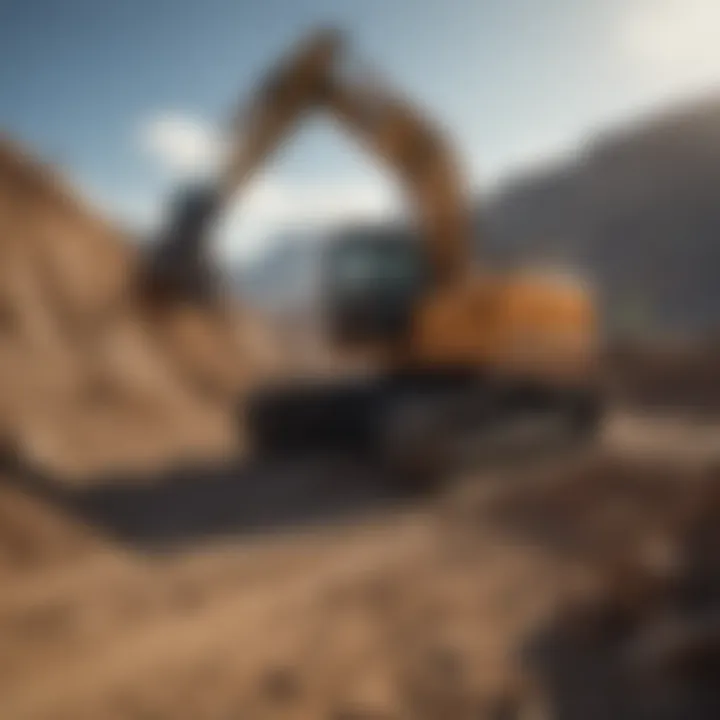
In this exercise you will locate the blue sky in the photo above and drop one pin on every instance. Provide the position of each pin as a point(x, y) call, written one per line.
point(128, 94)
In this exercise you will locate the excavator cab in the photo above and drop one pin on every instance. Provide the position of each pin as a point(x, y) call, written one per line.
point(371, 281)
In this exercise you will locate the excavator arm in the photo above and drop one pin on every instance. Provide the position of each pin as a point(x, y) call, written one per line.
point(421, 159)
point(387, 126)
point(297, 85)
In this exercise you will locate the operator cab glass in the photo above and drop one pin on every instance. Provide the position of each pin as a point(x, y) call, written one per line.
point(372, 280)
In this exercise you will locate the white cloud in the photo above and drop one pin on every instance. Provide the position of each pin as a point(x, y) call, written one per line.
point(180, 143)
point(675, 42)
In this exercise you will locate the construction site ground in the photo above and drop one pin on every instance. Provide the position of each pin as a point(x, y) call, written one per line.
point(404, 609)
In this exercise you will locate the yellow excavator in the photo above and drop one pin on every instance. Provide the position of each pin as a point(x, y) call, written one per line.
point(454, 345)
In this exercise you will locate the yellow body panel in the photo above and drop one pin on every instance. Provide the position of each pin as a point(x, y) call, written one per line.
point(523, 325)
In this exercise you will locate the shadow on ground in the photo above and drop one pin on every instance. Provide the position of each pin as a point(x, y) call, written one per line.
point(242, 496)
point(236, 497)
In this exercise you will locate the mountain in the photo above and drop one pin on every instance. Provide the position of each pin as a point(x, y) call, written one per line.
point(639, 208)
point(283, 280)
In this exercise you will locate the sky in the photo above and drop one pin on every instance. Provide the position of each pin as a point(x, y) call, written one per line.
point(129, 97)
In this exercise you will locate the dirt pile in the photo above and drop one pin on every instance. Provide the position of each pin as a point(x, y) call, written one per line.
point(90, 377)
point(643, 641)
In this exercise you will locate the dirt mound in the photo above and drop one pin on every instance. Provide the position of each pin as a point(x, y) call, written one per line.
point(91, 377)
point(644, 642)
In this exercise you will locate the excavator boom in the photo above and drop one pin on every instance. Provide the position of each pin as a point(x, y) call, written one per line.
point(421, 159)
point(296, 85)
point(309, 79)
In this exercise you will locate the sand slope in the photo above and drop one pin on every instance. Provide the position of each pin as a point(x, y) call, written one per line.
point(91, 379)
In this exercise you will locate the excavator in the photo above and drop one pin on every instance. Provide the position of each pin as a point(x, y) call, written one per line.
point(454, 347)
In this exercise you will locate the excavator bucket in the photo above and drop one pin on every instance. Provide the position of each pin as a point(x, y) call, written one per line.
point(178, 265)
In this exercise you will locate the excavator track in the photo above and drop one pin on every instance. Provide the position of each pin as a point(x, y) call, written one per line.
point(416, 428)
